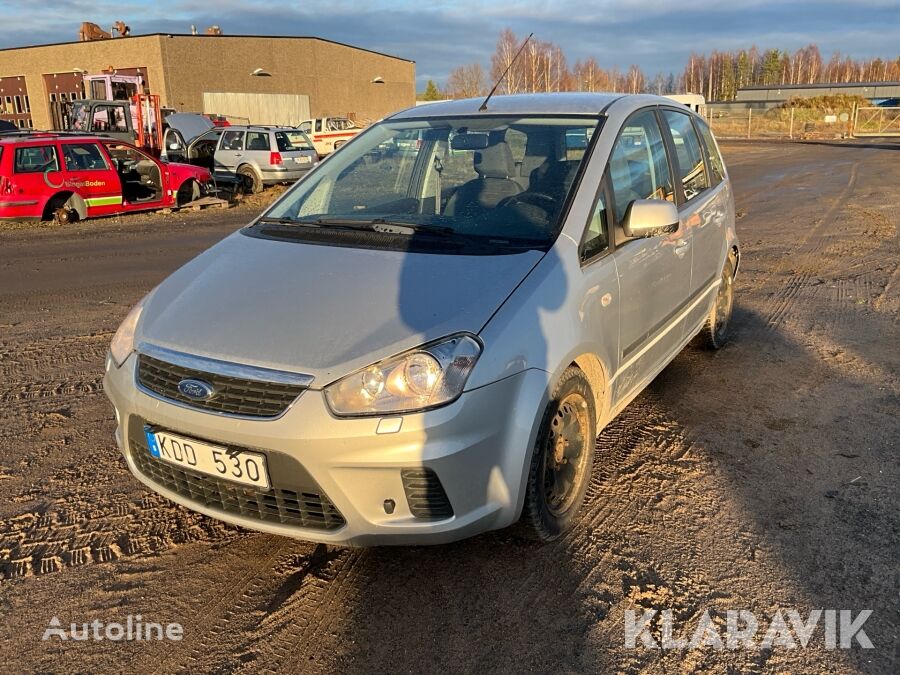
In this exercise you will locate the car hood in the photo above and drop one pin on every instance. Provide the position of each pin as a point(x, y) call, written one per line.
point(189, 125)
point(323, 310)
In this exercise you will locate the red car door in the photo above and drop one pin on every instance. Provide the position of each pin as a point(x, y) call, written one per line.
point(89, 173)
point(36, 173)
point(145, 182)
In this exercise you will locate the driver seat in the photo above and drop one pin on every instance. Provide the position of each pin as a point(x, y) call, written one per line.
point(494, 166)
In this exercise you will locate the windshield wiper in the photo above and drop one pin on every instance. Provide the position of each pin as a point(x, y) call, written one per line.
point(374, 225)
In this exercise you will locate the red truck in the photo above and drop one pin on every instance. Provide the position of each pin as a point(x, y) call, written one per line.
point(75, 176)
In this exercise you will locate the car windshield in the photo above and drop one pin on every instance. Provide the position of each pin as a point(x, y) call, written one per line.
point(292, 140)
point(477, 177)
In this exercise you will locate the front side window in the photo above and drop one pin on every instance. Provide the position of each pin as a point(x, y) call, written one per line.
point(109, 118)
point(233, 140)
point(455, 177)
point(638, 166)
point(36, 159)
point(688, 152)
point(83, 157)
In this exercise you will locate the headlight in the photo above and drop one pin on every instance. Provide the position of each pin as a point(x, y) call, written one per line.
point(123, 341)
point(426, 377)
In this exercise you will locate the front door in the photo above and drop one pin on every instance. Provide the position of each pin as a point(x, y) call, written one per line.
point(705, 211)
point(654, 273)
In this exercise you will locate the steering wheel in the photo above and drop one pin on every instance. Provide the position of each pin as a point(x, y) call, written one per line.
point(540, 199)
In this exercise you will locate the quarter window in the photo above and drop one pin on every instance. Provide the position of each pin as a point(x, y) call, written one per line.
point(233, 140)
point(36, 159)
point(688, 152)
point(83, 157)
point(596, 236)
point(639, 168)
point(714, 159)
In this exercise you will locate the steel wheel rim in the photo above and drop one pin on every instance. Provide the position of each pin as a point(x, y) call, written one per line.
point(565, 454)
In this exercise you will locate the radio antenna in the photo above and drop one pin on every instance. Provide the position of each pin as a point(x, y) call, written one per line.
point(483, 106)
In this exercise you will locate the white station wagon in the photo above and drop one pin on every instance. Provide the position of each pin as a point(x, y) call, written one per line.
point(417, 346)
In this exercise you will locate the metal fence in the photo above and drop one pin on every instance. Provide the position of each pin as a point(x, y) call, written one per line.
point(875, 121)
point(782, 123)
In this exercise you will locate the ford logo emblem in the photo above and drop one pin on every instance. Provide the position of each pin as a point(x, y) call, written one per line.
point(196, 390)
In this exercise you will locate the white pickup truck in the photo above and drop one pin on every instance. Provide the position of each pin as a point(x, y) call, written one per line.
point(329, 133)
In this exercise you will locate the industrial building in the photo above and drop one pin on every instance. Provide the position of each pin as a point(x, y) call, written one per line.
point(338, 79)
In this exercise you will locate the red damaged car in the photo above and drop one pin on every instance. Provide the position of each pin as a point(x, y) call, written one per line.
point(71, 176)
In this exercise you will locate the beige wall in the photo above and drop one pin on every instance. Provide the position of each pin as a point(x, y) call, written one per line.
point(34, 62)
point(337, 78)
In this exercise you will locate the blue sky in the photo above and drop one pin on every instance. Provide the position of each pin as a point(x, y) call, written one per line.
point(655, 34)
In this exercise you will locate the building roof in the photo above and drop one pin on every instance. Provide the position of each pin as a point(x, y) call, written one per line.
point(820, 85)
point(575, 103)
point(212, 37)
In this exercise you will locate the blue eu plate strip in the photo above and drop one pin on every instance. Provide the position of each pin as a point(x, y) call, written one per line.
point(151, 442)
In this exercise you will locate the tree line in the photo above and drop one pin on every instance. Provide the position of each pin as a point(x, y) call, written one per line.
point(543, 67)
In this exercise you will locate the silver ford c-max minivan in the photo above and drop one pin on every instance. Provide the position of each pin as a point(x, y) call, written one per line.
point(421, 341)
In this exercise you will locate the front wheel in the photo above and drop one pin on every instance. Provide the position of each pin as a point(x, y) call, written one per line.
point(715, 331)
point(563, 457)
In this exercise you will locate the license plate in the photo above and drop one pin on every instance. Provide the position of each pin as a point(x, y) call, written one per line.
point(244, 467)
point(303, 159)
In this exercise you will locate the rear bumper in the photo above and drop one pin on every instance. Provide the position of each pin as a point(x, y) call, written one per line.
point(478, 447)
point(270, 176)
point(20, 209)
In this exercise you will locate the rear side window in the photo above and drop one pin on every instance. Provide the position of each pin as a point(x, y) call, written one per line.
point(233, 140)
point(714, 159)
point(638, 166)
point(258, 140)
point(36, 159)
point(83, 157)
point(689, 153)
point(292, 140)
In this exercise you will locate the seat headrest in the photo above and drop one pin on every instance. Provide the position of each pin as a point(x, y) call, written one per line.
point(495, 161)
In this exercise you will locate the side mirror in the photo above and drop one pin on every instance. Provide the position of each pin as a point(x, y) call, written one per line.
point(650, 218)
point(174, 146)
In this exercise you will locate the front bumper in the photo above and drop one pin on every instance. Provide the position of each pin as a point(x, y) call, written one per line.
point(479, 447)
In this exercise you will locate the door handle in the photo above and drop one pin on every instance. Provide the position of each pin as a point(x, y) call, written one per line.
point(681, 246)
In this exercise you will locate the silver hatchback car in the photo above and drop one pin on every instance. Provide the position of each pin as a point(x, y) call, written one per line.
point(415, 347)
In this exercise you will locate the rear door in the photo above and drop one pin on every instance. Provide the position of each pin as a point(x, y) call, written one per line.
point(230, 153)
point(704, 211)
point(89, 174)
point(654, 273)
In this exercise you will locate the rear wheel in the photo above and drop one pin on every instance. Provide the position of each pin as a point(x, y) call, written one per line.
point(61, 210)
point(563, 457)
point(249, 180)
point(715, 331)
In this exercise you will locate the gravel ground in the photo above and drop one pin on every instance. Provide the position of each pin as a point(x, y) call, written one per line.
point(764, 476)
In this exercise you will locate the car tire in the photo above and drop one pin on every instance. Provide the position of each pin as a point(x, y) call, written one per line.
point(562, 460)
point(715, 331)
point(188, 192)
point(251, 182)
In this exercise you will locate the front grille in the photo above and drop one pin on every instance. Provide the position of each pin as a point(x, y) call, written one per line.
point(308, 508)
point(234, 396)
point(425, 494)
